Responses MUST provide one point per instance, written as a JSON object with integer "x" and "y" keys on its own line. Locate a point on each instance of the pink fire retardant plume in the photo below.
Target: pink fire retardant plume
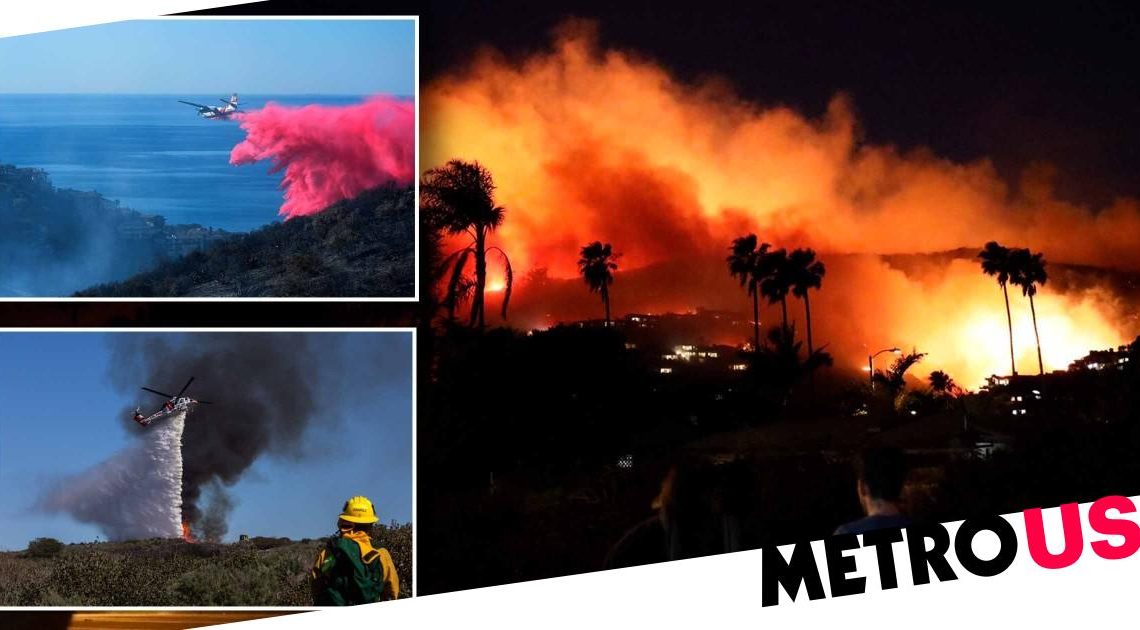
{"x": 331, "y": 153}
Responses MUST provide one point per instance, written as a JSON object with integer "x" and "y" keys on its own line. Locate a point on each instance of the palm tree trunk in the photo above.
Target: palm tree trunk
{"x": 784, "y": 306}
{"x": 480, "y": 279}
{"x": 606, "y": 302}
{"x": 1009, "y": 320}
{"x": 1040, "y": 363}
{"x": 756, "y": 315}
{"x": 807, "y": 314}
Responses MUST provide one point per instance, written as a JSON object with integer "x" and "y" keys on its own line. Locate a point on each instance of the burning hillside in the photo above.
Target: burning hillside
{"x": 588, "y": 144}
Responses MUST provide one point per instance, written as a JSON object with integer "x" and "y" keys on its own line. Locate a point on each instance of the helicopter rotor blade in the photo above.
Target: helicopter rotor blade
{"x": 185, "y": 387}
{"x": 155, "y": 391}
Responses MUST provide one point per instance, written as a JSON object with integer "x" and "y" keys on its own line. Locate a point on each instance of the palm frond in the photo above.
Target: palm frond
{"x": 1027, "y": 270}
{"x": 451, "y": 298}
{"x": 510, "y": 279}
{"x": 996, "y": 261}
{"x": 804, "y": 271}
{"x": 459, "y": 197}
{"x": 596, "y": 264}
{"x": 742, "y": 260}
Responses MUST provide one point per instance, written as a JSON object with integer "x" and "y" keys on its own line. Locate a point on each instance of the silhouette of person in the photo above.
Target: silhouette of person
{"x": 881, "y": 472}
{"x": 699, "y": 513}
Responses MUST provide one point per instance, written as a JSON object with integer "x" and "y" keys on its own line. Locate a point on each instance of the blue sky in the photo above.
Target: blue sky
{"x": 60, "y": 414}
{"x": 215, "y": 57}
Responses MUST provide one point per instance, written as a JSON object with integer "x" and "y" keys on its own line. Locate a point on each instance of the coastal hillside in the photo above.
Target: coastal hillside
{"x": 361, "y": 247}
{"x": 54, "y": 240}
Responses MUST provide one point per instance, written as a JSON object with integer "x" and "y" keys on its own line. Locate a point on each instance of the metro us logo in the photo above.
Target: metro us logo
{"x": 929, "y": 547}
{"x": 1099, "y": 521}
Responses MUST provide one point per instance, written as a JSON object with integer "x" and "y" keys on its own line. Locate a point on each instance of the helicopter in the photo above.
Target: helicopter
{"x": 176, "y": 403}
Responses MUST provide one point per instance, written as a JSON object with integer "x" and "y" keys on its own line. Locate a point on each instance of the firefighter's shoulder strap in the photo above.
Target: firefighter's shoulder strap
{"x": 367, "y": 553}
{"x": 379, "y": 566}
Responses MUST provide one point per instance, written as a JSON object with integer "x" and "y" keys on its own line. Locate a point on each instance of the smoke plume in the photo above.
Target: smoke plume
{"x": 136, "y": 493}
{"x": 55, "y": 241}
{"x": 261, "y": 386}
{"x": 587, "y": 144}
{"x": 214, "y": 522}
{"x": 331, "y": 153}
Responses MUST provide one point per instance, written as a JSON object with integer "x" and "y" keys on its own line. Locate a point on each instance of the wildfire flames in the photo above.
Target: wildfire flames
{"x": 588, "y": 144}
{"x": 186, "y": 535}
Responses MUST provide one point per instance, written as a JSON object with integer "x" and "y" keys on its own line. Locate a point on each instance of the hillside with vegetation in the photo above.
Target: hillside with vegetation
{"x": 53, "y": 240}
{"x": 258, "y": 571}
{"x": 361, "y": 247}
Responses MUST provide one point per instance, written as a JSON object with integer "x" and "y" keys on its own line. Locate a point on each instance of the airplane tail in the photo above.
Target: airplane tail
{"x": 231, "y": 104}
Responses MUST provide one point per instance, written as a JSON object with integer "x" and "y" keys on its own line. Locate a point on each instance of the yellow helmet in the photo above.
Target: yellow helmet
{"x": 358, "y": 510}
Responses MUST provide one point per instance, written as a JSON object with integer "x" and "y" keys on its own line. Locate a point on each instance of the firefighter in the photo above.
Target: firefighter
{"x": 348, "y": 570}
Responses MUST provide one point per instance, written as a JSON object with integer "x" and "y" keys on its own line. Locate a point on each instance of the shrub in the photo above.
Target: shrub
{"x": 44, "y": 548}
{"x": 262, "y": 571}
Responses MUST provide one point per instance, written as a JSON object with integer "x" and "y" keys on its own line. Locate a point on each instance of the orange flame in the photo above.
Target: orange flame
{"x": 587, "y": 144}
{"x": 186, "y": 535}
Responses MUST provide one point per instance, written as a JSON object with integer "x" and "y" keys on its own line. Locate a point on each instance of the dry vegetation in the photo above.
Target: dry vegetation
{"x": 158, "y": 572}
{"x": 360, "y": 247}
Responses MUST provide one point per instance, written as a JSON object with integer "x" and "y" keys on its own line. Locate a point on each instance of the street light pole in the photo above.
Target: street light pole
{"x": 871, "y": 364}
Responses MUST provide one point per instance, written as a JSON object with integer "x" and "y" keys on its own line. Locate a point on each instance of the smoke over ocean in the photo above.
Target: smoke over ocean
{"x": 136, "y": 493}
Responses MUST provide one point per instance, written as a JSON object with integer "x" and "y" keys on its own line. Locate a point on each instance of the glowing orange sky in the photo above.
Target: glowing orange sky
{"x": 589, "y": 144}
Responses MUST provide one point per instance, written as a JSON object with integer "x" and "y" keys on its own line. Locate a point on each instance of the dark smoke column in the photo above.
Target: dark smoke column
{"x": 261, "y": 386}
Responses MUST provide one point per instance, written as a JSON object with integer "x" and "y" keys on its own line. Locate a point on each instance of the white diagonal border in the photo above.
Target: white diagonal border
{"x": 22, "y": 17}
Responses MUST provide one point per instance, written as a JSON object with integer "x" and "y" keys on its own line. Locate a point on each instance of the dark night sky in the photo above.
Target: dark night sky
{"x": 1019, "y": 83}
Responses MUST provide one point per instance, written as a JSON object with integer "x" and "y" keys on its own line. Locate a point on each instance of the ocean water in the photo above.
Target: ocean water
{"x": 152, "y": 153}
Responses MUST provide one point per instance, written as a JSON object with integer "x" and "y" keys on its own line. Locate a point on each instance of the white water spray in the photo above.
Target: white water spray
{"x": 136, "y": 493}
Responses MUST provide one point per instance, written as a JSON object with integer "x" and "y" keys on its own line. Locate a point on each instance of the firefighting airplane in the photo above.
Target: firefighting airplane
{"x": 214, "y": 112}
{"x": 177, "y": 403}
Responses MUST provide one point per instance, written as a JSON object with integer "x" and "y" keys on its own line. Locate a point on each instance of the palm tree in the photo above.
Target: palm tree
{"x": 943, "y": 386}
{"x": 775, "y": 279}
{"x": 743, "y": 263}
{"x": 777, "y": 368}
{"x": 893, "y": 379}
{"x": 1028, "y": 272}
{"x": 805, "y": 273}
{"x": 459, "y": 198}
{"x": 947, "y": 392}
{"x": 996, "y": 262}
{"x": 597, "y": 267}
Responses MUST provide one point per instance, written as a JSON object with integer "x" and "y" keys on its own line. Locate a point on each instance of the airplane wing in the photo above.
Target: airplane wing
{"x": 198, "y": 105}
